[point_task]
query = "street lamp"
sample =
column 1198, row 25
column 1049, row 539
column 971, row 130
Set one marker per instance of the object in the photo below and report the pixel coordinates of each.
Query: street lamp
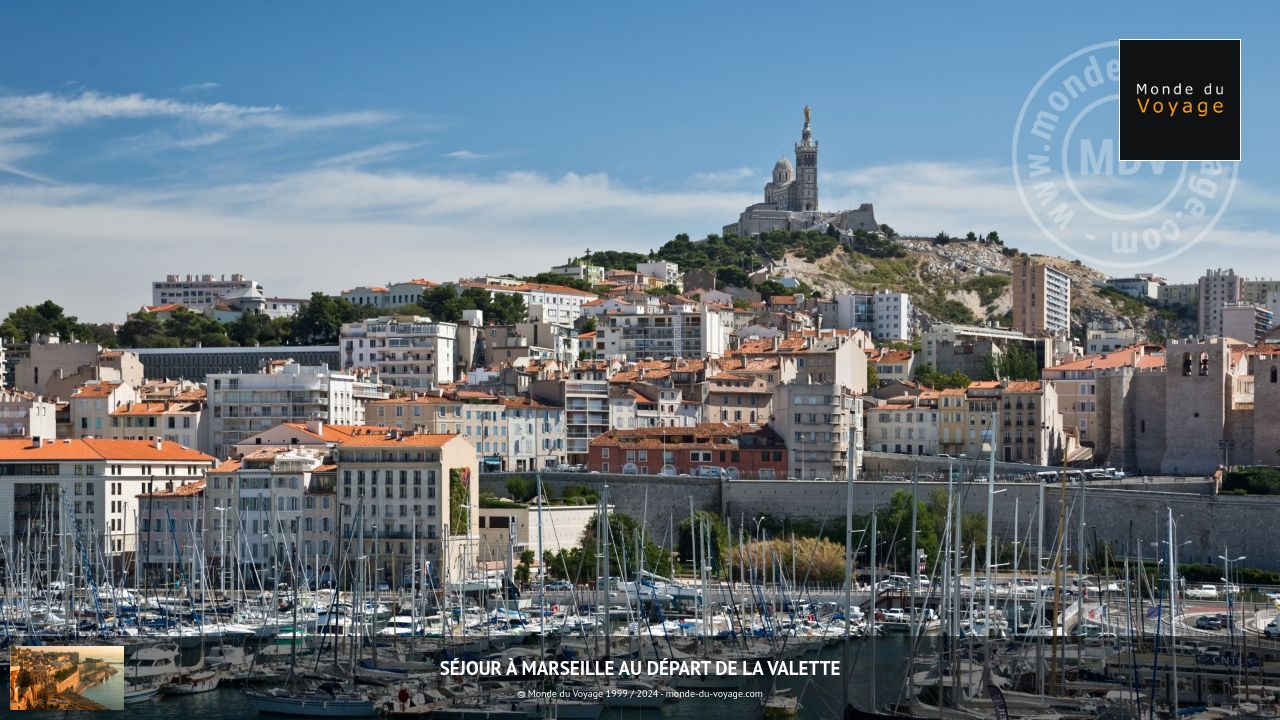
column 1226, row 570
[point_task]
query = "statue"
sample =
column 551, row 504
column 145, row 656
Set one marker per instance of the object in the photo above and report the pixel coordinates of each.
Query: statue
column 806, row 114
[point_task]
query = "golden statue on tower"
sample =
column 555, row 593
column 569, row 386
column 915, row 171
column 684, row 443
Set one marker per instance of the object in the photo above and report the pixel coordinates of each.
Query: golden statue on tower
column 806, row 114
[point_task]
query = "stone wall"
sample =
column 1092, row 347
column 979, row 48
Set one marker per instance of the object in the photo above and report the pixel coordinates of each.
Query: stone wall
column 1127, row 516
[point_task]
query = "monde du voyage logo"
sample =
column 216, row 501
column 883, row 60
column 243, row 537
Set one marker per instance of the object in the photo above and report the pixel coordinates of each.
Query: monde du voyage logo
column 1142, row 182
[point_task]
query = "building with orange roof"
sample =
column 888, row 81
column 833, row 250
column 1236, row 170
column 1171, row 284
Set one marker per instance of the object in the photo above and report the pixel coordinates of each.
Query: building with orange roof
column 398, row 486
column 508, row 433
column 820, row 356
column 1085, row 407
column 738, row 398
column 817, row 422
column 272, row 505
column 906, row 424
column 892, row 365
column 1030, row 428
column 93, row 482
column 740, row 450
column 170, row 519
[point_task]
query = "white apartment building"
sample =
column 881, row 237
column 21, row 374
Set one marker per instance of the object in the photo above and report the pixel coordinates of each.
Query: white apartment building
column 92, row 482
column 198, row 292
column 584, row 395
column 667, row 272
column 507, row 532
column 245, row 404
column 391, row 295
column 24, row 414
column 692, row 330
column 405, row 351
column 1101, row 338
column 891, row 313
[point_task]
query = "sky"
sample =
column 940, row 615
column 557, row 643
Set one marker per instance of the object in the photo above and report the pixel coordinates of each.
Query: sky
column 323, row 146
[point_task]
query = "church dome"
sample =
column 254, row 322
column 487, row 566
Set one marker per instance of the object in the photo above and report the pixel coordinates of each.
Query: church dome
column 782, row 171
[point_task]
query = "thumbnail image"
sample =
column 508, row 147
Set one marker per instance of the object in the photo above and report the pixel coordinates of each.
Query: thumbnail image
column 66, row 677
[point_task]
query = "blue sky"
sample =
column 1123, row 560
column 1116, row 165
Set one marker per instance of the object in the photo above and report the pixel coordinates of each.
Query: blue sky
column 323, row 146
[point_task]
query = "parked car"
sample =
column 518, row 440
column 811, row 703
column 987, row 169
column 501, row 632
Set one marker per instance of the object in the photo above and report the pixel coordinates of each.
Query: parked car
column 1208, row 622
column 1272, row 630
column 895, row 615
column 559, row 585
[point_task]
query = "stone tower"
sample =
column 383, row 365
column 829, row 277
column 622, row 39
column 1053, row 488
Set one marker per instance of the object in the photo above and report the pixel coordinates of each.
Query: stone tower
column 805, row 188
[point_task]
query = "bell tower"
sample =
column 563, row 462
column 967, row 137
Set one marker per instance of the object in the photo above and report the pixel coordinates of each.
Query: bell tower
column 806, row 182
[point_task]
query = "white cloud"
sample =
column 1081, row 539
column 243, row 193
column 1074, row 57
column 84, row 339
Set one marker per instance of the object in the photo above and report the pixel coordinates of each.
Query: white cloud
column 365, row 156
column 198, row 87
column 732, row 179
column 50, row 110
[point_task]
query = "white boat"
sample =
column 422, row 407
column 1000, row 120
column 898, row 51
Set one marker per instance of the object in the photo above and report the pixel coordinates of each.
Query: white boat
column 315, row 703
column 152, row 662
column 192, row 683
column 781, row 704
column 139, row 693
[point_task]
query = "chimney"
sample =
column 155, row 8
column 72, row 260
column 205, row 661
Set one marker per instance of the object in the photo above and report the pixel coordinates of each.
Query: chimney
column 775, row 343
column 157, row 443
column 37, row 441
column 315, row 427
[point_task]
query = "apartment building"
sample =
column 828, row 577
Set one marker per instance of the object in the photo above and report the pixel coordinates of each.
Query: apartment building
column 391, row 295
column 817, row 421
column 584, row 394
column 24, row 414
column 92, row 485
column 1041, row 298
column 690, row 330
column 170, row 532
column 244, row 404
column 55, row 369
column 819, row 356
column 1030, row 428
column 907, row 424
column 737, row 398
column 1215, row 290
column 1076, row 385
column 405, row 351
column 1245, row 321
column 393, row 487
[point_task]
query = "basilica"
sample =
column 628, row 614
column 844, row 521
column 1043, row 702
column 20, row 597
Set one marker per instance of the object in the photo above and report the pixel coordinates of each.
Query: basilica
column 791, row 198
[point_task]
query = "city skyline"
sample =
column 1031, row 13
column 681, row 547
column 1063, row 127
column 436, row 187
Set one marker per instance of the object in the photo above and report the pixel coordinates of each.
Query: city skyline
column 286, row 150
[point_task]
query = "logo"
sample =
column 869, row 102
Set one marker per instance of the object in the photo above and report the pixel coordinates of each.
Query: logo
column 1107, row 211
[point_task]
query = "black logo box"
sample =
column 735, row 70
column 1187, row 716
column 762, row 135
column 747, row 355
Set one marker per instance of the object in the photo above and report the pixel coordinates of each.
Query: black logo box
column 1187, row 69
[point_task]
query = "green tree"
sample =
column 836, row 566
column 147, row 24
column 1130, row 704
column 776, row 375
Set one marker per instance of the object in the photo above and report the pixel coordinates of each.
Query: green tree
column 320, row 321
column 141, row 330
column 894, row 526
column 459, row 500
column 188, row 327
column 1015, row 363
column 873, row 377
column 521, row 488
column 47, row 318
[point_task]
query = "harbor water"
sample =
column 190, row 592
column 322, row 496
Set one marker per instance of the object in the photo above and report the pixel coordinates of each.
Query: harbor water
column 110, row 693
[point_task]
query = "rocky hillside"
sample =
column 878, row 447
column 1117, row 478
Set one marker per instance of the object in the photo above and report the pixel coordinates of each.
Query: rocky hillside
column 968, row 282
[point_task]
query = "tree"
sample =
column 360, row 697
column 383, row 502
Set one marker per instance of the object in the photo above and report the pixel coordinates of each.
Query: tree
column 993, row 237
column 588, row 325
column 895, row 521
column 873, row 377
column 521, row 488
column 188, row 328
column 47, row 318
column 578, row 564
column 971, row 236
column 926, row 375
column 319, row 322
column 1015, row 363
column 442, row 303
column 888, row 231
column 141, row 330
column 773, row 288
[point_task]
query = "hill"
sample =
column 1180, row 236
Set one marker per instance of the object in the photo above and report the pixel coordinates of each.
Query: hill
column 961, row 280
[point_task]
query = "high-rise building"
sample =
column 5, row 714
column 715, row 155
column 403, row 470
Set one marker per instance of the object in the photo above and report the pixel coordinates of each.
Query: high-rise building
column 1216, row 289
column 1041, row 298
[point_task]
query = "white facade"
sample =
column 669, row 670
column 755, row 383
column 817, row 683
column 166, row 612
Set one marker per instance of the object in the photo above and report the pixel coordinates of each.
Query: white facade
column 903, row 427
column 244, row 404
column 198, row 292
column 1217, row 288
column 93, row 482
column 667, row 272
column 26, row 415
column 405, row 351
column 690, row 330
column 1101, row 339
column 891, row 313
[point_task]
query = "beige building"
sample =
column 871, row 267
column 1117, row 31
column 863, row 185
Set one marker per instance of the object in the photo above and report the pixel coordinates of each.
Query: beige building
column 55, row 369
column 1215, row 289
column 1030, row 424
column 737, row 398
column 1041, row 298
column 393, row 486
column 817, row 422
column 1085, row 405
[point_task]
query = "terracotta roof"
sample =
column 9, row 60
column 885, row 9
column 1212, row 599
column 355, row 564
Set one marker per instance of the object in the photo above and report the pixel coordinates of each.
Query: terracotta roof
column 95, row 390
column 183, row 490
column 397, row 440
column 98, row 449
column 782, row 300
column 1023, row 386
column 1124, row 357
column 227, row 466
column 340, row 433
column 324, row 468
column 894, row 356
column 703, row 435
column 153, row 408
column 984, row 385
column 166, row 307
